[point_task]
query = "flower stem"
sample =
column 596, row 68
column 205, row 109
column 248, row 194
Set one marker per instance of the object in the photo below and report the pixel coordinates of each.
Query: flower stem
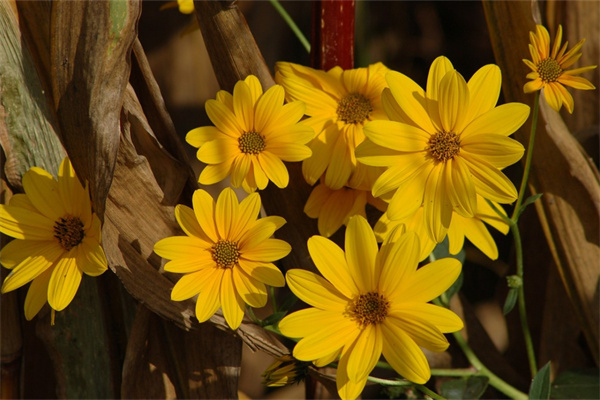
column 286, row 17
column 523, row 188
column 389, row 382
column 428, row 392
column 273, row 299
column 495, row 380
column 454, row 372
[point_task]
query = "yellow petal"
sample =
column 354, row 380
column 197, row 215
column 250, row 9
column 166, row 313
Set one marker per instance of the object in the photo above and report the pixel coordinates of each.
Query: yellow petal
column 208, row 302
column 557, row 41
column 411, row 99
column 331, row 263
column 347, row 389
column 268, row 107
column 187, row 221
column 317, row 198
column 320, row 344
column 407, row 168
column 288, row 115
column 439, row 68
column 253, row 292
column 42, row 190
column 187, row 265
column 190, row 285
column 91, row 259
column 567, row 99
column 37, row 294
column 445, row 320
column 409, row 196
column 255, row 88
column 460, row 187
column 322, row 148
column 429, row 281
column 212, row 174
column 266, row 273
column 198, row 136
column 484, row 89
column 259, row 231
column 490, row 182
column 369, row 153
column 22, row 201
column 274, row 169
column 243, row 107
column 256, row 171
column 223, row 118
column 533, row 86
column 365, row 353
column 361, row 251
column 340, row 164
column 178, row 247
column 397, row 136
column 316, row 291
column 64, row 282
column 204, row 209
column 479, row 235
column 306, row 321
column 336, row 210
column 403, row 354
column 74, row 197
column 552, row 97
column 227, row 213
column 576, row 82
column 290, row 151
column 355, row 80
column 231, row 302
column 269, row 250
column 324, row 361
column 41, row 258
column 423, row 332
column 400, row 263
column 299, row 133
column 21, row 223
column 453, row 101
column 15, row 251
column 498, row 150
column 436, row 204
column 218, row 150
column 502, row 120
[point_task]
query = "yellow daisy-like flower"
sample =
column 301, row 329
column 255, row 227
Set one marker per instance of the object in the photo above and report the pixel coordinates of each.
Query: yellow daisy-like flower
column 285, row 370
column 460, row 228
column 227, row 256
column 338, row 102
column 444, row 145
column 253, row 133
column 58, row 239
column 549, row 69
column 369, row 302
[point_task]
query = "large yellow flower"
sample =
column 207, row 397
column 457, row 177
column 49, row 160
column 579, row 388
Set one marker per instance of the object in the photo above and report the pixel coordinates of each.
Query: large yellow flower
column 460, row 228
column 338, row 103
column 227, row 256
column 253, row 133
column 549, row 69
column 444, row 145
column 58, row 239
column 370, row 302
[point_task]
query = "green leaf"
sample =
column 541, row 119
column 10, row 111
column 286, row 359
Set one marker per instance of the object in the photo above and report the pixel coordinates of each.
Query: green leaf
column 511, row 300
column 540, row 386
column 465, row 388
column 274, row 318
column 528, row 201
column 442, row 250
column 576, row 384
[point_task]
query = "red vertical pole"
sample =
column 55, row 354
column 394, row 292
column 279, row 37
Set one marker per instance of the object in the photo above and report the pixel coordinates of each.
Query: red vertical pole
column 332, row 34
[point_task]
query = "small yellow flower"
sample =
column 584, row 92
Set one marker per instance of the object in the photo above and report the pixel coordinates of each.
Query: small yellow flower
column 58, row 239
column 338, row 103
column 185, row 6
column 285, row 370
column 444, row 145
column 370, row 301
column 460, row 228
column 227, row 256
column 550, row 69
column 253, row 133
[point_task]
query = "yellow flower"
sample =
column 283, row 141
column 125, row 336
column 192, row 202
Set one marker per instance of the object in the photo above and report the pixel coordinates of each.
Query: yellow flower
column 333, row 208
column 185, row 6
column 58, row 239
column 444, row 145
column 226, row 257
column 338, row 103
column 253, row 133
column 549, row 69
column 285, row 370
column 369, row 302
column 460, row 228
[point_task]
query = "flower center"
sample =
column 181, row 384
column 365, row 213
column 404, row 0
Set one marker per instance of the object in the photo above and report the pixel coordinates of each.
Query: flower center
column 69, row 231
column 354, row 108
column 225, row 253
column 369, row 309
column 251, row 143
column 549, row 70
column 443, row 146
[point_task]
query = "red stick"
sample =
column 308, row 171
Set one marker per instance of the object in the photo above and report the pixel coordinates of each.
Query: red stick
column 332, row 34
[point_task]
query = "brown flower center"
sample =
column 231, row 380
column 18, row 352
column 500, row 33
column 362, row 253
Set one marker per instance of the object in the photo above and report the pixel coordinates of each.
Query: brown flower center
column 443, row 146
column 251, row 143
column 225, row 253
column 549, row 70
column 354, row 108
column 369, row 309
column 69, row 231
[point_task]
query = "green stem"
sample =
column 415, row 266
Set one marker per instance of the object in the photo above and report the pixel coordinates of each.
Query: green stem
column 514, row 228
column 454, row 372
column 388, row 382
column 495, row 380
column 286, row 17
column 430, row 393
column 273, row 300
column 523, row 188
